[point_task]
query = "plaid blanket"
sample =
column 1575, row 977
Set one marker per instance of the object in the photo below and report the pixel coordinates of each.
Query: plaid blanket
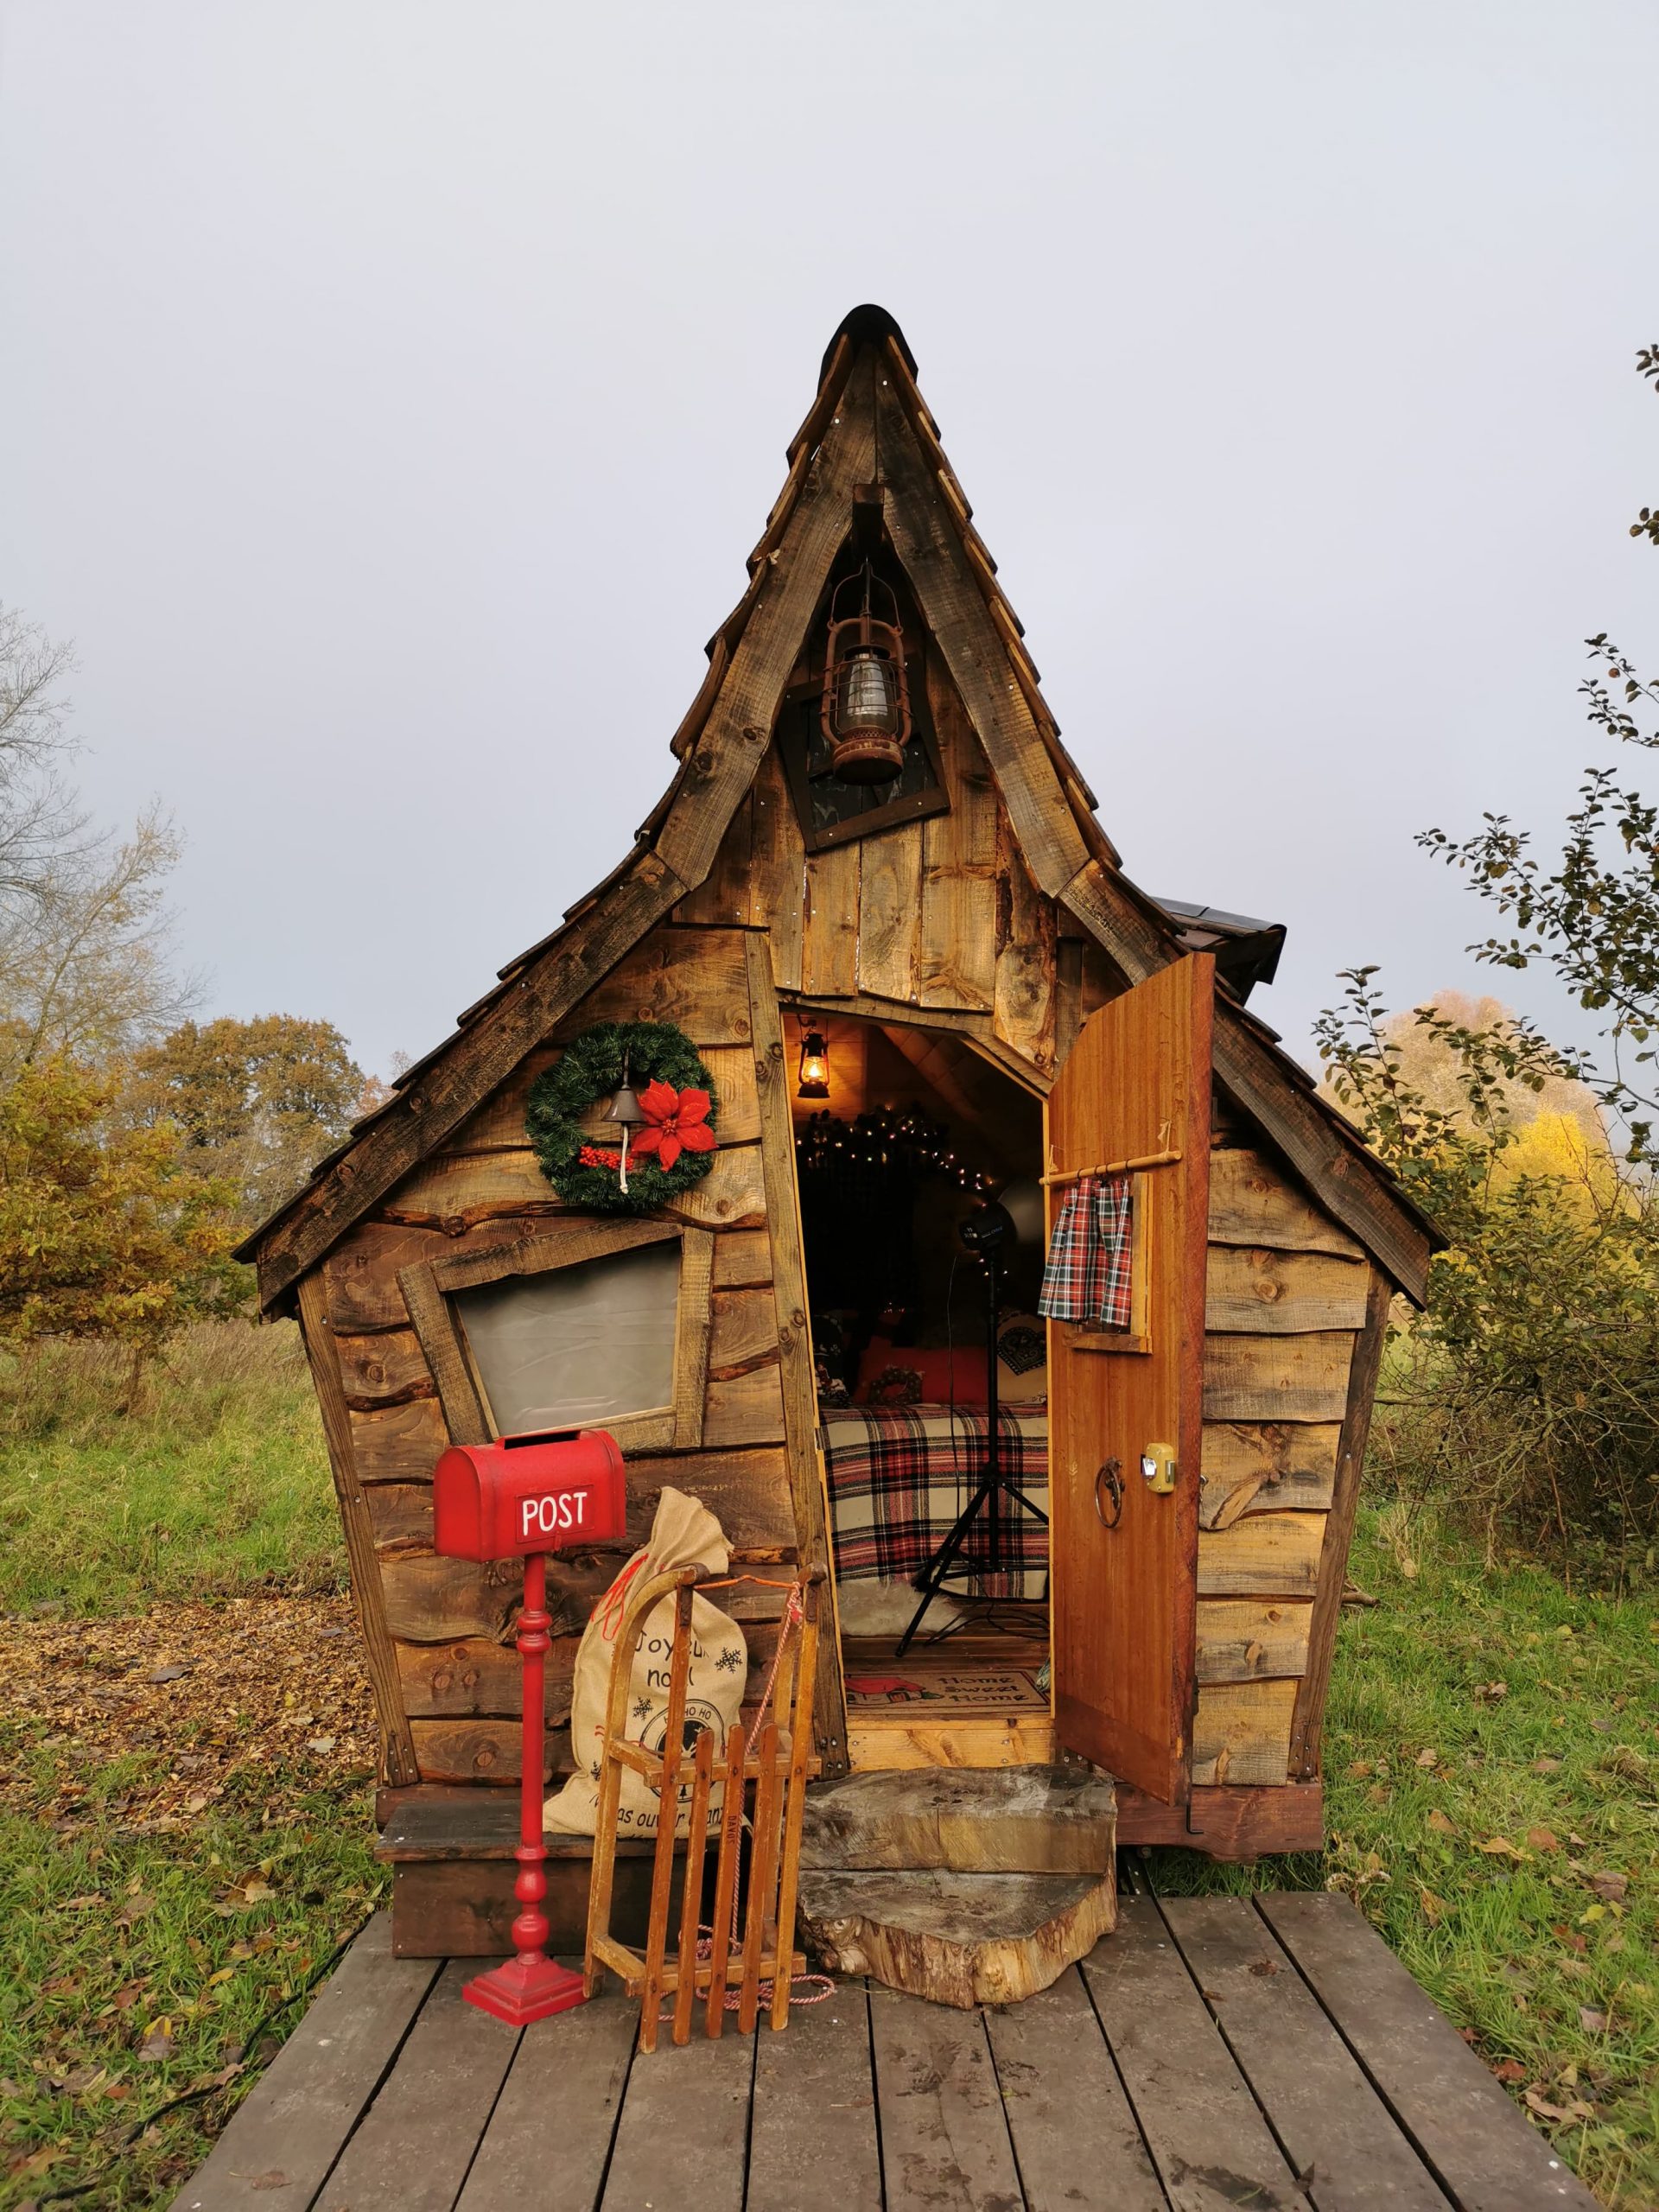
column 900, row 1475
column 1087, row 1278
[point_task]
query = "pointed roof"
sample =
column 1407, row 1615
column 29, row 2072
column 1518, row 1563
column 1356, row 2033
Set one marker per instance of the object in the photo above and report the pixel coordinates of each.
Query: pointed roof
column 867, row 432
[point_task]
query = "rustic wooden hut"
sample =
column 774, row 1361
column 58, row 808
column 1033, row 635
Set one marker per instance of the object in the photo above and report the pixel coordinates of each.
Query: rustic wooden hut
column 994, row 998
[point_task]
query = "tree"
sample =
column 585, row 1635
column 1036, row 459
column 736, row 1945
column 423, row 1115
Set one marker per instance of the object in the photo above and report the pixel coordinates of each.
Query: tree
column 1532, row 1383
column 84, row 964
column 105, row 1228
column 38, row 817
column 1591, row 913
column 257, row 1102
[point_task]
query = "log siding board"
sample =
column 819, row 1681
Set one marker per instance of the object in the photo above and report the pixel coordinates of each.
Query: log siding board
column 890, row 913
column 957, row 963
column 830, row 949
column 777, row 894
column 456, row 1191
column 1241, row 1733
column 1263, row 1555
column 1266, row 1467
column 1026, row 991
column 1308, row 1725
column 1250, row 1289
column 747, row 1491
column 499, row 1124
column 398, row 1444
column 1277, row 1378
column 795, row 1372
column 1252, row 1203
column 398, row 1755
column 1247, row 1640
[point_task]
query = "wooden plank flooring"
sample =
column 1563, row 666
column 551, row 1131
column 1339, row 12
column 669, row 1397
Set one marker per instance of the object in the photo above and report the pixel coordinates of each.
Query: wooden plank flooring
column 1211, row 2053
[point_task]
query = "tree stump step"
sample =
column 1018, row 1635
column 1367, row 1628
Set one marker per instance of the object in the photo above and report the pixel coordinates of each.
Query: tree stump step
column 1011, row 1819
column 955, row 1938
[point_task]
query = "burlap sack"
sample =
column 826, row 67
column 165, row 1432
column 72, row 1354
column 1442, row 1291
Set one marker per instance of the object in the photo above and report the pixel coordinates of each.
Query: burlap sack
column 685, row 1533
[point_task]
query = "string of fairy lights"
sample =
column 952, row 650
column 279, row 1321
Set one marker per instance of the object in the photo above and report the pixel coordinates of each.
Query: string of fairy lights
column 887, row 1137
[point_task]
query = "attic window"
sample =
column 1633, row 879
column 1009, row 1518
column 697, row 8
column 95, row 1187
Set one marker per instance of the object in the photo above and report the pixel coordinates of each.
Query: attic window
column 832, row 811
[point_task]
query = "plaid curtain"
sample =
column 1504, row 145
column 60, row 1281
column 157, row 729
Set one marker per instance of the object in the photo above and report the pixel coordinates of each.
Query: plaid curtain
column 1087, row 1278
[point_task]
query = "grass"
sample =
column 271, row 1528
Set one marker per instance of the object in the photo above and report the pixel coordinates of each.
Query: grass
column 214, row 1482
column 1491, row 1766
column 180, row 1858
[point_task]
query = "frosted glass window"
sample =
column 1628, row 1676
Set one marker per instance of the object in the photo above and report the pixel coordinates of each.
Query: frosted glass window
column 576, row 1347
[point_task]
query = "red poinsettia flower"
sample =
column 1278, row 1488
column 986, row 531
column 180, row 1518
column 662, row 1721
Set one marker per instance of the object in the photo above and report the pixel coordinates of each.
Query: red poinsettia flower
column 675, row 1121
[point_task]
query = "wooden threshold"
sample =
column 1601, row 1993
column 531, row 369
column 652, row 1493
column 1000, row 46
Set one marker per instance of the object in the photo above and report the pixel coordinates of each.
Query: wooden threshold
column 883, row 1740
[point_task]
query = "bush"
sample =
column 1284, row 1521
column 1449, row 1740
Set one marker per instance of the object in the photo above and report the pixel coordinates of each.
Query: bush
column 1527, row 1394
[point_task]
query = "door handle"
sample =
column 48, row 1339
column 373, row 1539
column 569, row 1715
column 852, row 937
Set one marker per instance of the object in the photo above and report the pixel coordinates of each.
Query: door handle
column 1111, row 1479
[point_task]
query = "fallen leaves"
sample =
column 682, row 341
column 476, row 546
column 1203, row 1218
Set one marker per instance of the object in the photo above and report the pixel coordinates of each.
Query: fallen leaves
column 1441, row 1826
column 1499, row 1847
column 188, row 1696
column 1610, row 1886
column 1542, row 1840
column 1509, row 2071
column 1434, row 1909
column 1490, row 1693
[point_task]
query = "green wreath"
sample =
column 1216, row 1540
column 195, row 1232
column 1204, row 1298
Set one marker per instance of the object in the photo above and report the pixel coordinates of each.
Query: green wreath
column 590, row 1068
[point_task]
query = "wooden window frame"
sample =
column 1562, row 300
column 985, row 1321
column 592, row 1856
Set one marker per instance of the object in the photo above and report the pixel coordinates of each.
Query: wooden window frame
column 1081, row 1336
column 429, row 1287
column 935, row 799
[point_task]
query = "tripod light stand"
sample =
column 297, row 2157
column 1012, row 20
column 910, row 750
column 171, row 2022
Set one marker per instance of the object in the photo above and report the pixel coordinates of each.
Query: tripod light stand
column 1015, row 1217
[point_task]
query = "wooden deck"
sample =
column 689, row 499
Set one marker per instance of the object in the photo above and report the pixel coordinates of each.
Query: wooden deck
column 1214, row 2053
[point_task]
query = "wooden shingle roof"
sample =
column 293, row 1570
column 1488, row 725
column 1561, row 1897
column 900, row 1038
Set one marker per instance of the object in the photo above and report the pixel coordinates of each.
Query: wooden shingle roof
column 867, row 402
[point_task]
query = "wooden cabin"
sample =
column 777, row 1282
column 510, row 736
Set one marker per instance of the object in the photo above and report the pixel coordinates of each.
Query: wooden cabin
column 995, row 1001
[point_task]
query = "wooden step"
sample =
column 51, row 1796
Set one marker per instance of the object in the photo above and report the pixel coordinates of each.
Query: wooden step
column 956, row 1939
column 1011, row 1819
column 451, row 1852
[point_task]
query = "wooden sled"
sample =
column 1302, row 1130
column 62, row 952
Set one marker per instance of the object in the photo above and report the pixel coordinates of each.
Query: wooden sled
column 765, row 1772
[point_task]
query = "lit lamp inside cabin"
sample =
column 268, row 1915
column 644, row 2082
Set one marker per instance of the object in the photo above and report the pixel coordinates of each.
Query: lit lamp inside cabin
column 865, row 711
column 815, row 1066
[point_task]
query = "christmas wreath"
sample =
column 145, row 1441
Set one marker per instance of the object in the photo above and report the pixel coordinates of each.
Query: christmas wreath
column 669, row 1147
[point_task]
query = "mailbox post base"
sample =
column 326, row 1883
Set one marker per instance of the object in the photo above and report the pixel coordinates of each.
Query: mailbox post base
column 519, row 1991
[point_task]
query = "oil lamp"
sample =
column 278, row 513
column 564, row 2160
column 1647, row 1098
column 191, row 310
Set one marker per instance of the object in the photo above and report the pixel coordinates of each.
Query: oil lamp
column 815, row 1066
column 865, row 708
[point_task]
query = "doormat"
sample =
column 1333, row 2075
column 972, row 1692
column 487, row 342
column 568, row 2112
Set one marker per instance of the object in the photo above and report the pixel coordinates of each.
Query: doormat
column 1002, row 1687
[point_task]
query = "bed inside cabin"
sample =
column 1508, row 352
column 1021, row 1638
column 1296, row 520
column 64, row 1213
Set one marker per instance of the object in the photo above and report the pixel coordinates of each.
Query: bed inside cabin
column 904, row 1133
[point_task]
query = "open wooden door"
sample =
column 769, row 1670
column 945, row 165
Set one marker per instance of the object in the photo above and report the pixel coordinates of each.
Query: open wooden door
column 1124, row 1579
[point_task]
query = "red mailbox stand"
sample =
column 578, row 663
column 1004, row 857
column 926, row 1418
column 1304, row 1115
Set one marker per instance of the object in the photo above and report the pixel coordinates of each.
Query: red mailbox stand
column 528, row 1496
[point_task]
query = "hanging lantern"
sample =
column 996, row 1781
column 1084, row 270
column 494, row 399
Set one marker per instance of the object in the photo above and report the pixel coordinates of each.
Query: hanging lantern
column 865, row 711
column 815, row 1066
column 625, row 1110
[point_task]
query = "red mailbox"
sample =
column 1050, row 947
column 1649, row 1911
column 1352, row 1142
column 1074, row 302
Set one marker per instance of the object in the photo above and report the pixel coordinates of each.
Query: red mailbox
column 558, row 1493
column 525, row 1497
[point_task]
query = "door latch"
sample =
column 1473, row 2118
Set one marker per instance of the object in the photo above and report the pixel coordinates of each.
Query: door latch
column 1158, row 1466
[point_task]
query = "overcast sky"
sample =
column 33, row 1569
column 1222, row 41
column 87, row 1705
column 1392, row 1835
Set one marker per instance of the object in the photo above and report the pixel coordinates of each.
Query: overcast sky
column 390, row 393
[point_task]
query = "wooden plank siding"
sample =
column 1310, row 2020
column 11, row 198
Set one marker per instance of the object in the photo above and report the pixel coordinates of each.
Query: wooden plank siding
column 1287, row 1298
column 443, row 1628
